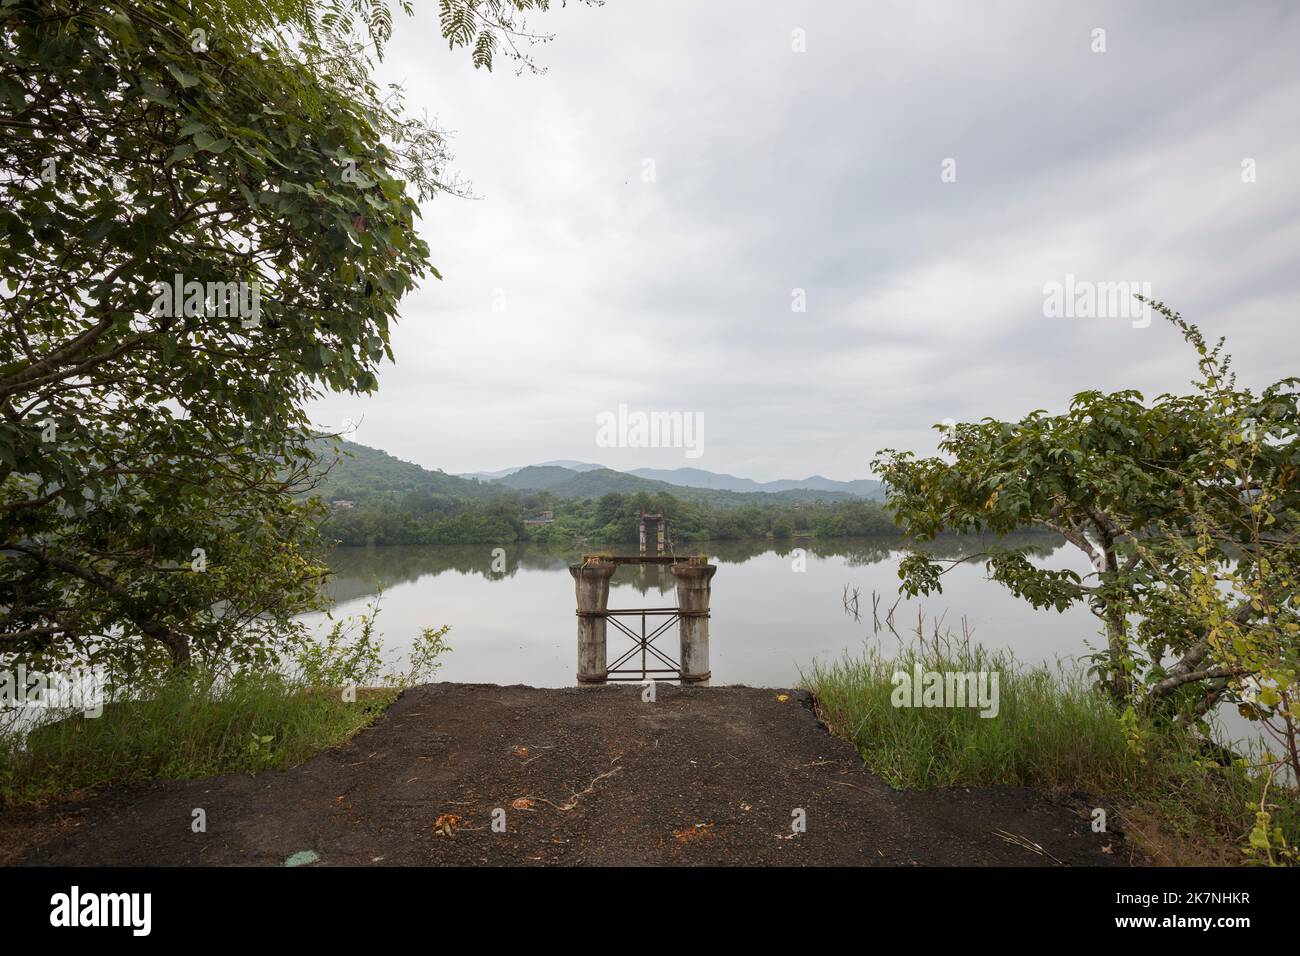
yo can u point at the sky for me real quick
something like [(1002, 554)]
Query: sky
[(819, 228)]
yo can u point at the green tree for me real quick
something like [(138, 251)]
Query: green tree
[(1185, 506), (486, 28), (151, 442)]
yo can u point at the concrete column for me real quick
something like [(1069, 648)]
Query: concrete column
[(591, 585), (693, 600)]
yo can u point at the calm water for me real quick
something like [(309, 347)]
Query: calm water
[(518, 626)]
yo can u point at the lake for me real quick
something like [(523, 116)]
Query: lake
[(517, 626)]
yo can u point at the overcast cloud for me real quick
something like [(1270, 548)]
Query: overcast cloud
[(776, 170)]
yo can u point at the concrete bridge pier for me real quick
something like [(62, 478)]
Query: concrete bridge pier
[(693, 601), (591, 584)]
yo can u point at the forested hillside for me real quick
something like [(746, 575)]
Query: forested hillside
[(565, 483), (699, 478), (381, 500), (359, 473)]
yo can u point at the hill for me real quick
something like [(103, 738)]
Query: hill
[(699, 478), (563, 483), (548, 474), (537, 478), (363, 474), (390, 501), (561, 463)]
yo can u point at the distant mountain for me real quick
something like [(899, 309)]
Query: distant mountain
[(545, 476), (538, 478), (488, 475), (564, 483), (699, 478), (572, 465), (365, 475), (562, 463)]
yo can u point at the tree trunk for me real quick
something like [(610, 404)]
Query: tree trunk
[(1118, 681)]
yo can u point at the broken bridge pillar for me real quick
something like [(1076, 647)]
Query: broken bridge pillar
[(591, 585), (693, 609)]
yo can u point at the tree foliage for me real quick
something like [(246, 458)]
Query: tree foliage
[(358, 28), (420, 516), (1186, 507), (151, 445)]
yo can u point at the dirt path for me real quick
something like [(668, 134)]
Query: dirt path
[(701, 776)]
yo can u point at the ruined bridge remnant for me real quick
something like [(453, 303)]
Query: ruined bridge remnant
[(654, 534), (641, 661)]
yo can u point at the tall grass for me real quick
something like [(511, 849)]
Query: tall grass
[(212, 721), (1178, 798), (1051, 730), (191, 725)]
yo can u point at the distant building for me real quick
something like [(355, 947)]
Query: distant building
[(546, 517), (342, 504)]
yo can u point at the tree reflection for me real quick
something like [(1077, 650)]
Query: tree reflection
[(360, 572)]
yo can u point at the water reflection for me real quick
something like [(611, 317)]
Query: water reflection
[(358, 572), (775, 607)]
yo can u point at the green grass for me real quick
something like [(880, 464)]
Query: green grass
[(183, 728), (193, 724), (1178, 802), (1051, 730)]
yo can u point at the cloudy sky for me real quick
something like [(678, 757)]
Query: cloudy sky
[(650, 205)]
